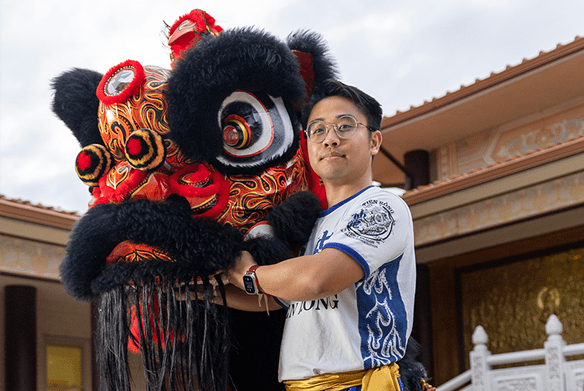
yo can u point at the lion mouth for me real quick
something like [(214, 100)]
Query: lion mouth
[(136, 252)]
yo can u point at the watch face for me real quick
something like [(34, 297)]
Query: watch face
[(249, 285)]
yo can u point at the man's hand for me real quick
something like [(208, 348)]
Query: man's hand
[(242, 265)]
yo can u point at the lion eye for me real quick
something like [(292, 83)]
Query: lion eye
[(255, 129), (237, 132), (120, 83)]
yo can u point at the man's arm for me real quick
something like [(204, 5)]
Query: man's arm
[(239, 300), (309, 277)]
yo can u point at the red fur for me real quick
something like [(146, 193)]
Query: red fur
[(131, 89), (182, 41), (134, 146), (83, 161), (217, 186)]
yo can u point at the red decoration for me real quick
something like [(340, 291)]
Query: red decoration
[(110, 94), (83, 161), (188, 30), (134, 146), (306, 71)]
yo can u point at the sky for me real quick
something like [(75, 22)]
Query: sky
[(401, 52)]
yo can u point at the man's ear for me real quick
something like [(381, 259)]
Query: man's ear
[(376, 139)]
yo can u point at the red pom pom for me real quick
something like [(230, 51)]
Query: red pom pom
[(134, 146), (83, 161)]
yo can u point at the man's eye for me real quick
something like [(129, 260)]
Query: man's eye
[(345, 128), (317, 130)]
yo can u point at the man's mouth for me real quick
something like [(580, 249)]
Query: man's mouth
[(331, 155)]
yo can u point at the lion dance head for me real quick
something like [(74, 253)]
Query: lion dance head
[(185, 166)]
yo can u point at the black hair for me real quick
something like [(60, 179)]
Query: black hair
[(331, 87)]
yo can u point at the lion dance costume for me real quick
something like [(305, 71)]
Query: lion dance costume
[(188, 167)]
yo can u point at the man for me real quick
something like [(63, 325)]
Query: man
[(350, 297)]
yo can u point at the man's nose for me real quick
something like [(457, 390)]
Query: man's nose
[(331, 138)]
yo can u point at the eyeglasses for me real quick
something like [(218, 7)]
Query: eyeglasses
[(344, 128)]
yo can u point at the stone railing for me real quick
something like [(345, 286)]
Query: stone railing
[(558, 373)]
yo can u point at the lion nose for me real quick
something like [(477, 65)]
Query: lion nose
[(205, 189)]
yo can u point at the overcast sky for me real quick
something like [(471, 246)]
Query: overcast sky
[(401, 52)]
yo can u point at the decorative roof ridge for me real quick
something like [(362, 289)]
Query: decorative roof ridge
[(495, 78), (21, 210), (19, 201), (494, 171)]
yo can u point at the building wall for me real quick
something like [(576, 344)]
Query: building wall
[(501, 231), (60, 320), (32, 245)]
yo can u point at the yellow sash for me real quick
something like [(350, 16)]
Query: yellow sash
[(381, 378)]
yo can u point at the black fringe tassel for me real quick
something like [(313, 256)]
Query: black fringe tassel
[(183, 340)]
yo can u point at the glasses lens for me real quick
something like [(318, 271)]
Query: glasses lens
[(316, 131), (346, 125)]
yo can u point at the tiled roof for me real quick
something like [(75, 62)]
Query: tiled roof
[(21, 210), (39, 206), (526, 65)]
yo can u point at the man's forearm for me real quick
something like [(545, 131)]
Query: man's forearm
[(239, 300), (303, 278)]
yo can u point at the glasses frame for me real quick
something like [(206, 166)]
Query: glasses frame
[(336, 128)]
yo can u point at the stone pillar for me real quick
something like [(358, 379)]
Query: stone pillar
[(554, 357), (478, 361), (417, 164), (20, 334)]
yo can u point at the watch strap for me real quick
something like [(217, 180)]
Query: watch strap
[(252, 269)]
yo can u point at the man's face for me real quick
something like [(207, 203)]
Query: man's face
[(342, 161)]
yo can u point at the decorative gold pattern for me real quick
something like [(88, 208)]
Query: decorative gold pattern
[(514, 301), (145, 110), (510, 140), (513, 206)]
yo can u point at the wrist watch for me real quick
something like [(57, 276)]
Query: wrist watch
[(250, 281)]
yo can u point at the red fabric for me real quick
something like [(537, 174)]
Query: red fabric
[(306, 71), (192, 26), (314, 183), (135, 326)]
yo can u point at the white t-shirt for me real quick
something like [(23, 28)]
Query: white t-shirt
[(368, 324)]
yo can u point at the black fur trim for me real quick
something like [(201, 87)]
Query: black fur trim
[(239, 59), (292, 222), (411, 371), (200, 247), (294, 218), (76, 104), (323, 65), (267, 251)]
